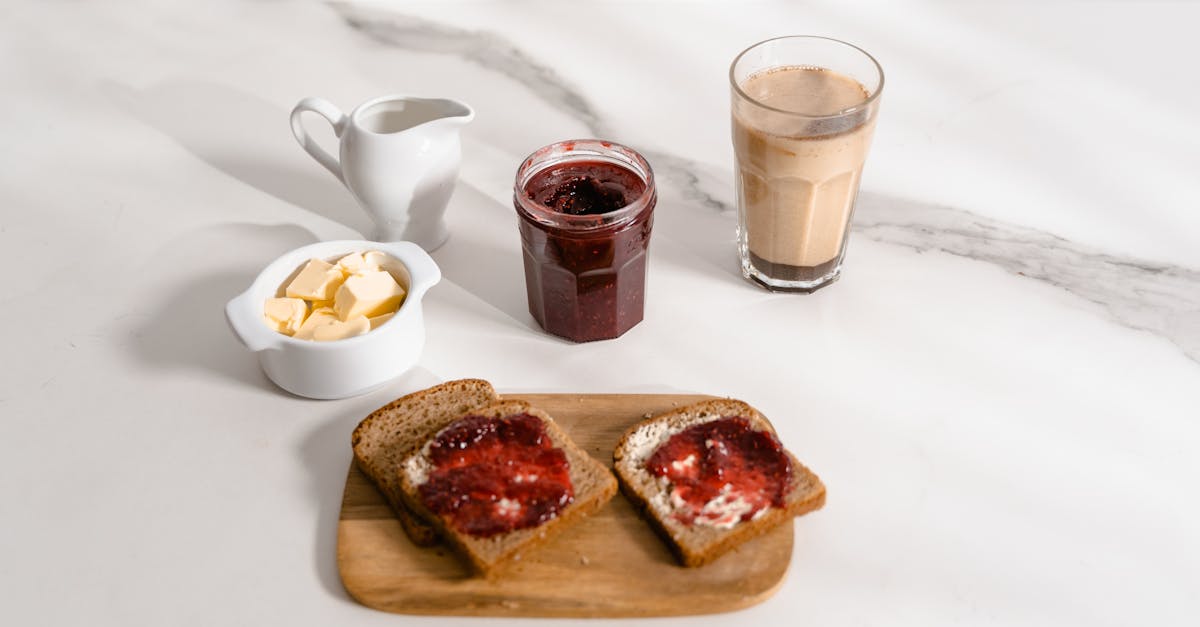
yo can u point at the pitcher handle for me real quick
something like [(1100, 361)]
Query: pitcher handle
[(334, 115)]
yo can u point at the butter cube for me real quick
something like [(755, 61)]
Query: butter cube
[(323, 325), (352, 264), (318, 317), (321, 304), (285, 315), (338, 330), (378, 260), (370, 294), (319, 280), (380, 319), (375, 259)]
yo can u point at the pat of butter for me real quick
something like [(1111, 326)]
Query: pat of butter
[(370, 294), (352, 264), (338, 330), (318, 317), (319, 280), (285, 315), (323, 325), (380, 319), (377, 260)]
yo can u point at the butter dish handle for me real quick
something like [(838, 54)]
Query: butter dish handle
[(245, 320), (423, 270)]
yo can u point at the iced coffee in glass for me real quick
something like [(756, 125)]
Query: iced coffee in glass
[(803, 114)]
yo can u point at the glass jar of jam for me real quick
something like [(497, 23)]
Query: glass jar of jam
[(586, 207)]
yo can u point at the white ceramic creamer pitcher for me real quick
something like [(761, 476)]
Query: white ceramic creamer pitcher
[(399, 156)]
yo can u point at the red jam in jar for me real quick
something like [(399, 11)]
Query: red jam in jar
[(494, 475), (586, 208), (722, 472)]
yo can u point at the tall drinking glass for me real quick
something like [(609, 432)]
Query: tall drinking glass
[(804, 111)]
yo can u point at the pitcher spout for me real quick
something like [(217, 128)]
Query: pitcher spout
[(405, 115), (457, 113)]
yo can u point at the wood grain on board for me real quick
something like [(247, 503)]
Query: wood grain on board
[(610, 564)]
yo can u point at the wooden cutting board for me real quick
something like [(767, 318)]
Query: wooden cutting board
[(611, 564)]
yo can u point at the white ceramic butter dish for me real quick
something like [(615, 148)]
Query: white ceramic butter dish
[(346, 367)]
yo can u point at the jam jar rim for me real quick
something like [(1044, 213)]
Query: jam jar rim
[(583, 150)]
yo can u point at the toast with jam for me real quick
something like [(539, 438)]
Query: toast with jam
[(501, 479), (383, 439), (712, 475)]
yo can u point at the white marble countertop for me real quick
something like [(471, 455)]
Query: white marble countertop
[(1002, 393)]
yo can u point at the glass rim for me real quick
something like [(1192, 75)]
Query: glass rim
[(843, 112), (577, 149)]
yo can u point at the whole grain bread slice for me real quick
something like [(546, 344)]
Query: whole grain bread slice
[(383, 439), (592, 482), (696, 545)]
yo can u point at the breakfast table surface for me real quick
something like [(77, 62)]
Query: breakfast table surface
[(1001, 393)]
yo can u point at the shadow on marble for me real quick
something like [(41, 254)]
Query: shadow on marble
[(245, 137), (491, 273), (325, 453), (687, 217), (187, 330)]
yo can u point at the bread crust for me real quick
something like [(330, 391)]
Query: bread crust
[(594, 486), (695, 546), (389, 433)]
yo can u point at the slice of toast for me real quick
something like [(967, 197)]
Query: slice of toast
[(697, 544), (386, 436), (592, 483)]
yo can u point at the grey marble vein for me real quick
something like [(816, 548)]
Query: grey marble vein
[(691, 178), (1158, 298), (495, 53), (483, 48)]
